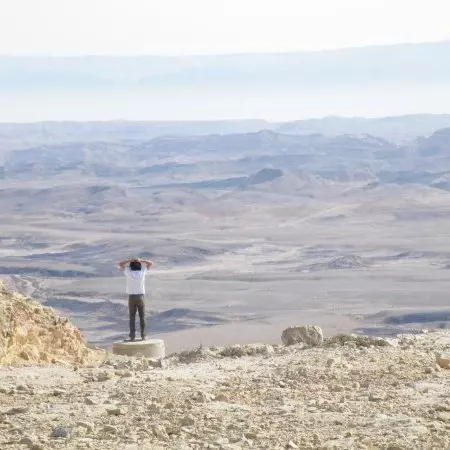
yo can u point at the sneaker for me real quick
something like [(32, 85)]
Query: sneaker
[(143, 337), (131, 339)]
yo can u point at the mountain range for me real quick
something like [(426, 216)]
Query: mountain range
[(402, 63)]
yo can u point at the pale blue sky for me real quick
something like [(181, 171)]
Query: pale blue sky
[(180, 27)]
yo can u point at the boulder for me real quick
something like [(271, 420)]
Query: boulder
[(443, 361), (310, 335)]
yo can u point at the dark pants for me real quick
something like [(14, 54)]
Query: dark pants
[(136, 303)]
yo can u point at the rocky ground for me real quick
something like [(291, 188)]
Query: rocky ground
[(350, 392), (344, 392)]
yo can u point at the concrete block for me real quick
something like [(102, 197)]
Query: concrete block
[(150, 348)]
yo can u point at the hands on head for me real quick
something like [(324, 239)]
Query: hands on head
[(147, 262)]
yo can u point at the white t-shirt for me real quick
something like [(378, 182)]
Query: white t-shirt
[(136, 280)]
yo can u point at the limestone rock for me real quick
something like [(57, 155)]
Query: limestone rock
[(17, 410), (110, 429), (61, 432), (188, 421), (311, 335), (114, 411), (443, 361), (34, 334), (123, 373), (159, 431), (31, 443), (90, 401), (89, 427), (376, 397), (105, 375)]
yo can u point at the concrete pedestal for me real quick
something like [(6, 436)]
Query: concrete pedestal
[(150, 348)]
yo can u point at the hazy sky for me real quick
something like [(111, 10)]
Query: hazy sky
[(175, 27)]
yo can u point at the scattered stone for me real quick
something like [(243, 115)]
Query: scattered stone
[(91, 401), (188, 421), (114, 411), (31, 443), (27, 441), (308, 334), (337, 388), (58, 392), (202, 397), (159, 431), (104, 376), (157, 363), (17, 410), (89, 427), (61, 432), (251, 435), (110, 429), (376, 397), (291, 444), (221, 398), (124, 373), (331, 362)]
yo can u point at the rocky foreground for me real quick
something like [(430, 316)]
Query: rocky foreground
[(344, 392), (351, 392)]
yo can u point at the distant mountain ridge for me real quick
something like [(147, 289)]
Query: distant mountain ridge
[(397, 129), (402, 63)]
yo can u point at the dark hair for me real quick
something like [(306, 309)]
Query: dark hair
[(135, 265)]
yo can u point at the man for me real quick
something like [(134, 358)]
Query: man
[(135, 271)]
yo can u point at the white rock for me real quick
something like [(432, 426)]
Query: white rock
[(17, 410), (114, 411), (87, 425), (159, 431), (309, 334), (58, 392), (331, 361), (104, 376), (188, 421), (28, 441), (443, 361), (124, 373), (375, 397), (61, 432)]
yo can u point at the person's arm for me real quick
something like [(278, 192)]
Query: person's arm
[(147, 263), (122, 264)]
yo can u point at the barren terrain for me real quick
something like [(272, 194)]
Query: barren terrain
[(249, 232)]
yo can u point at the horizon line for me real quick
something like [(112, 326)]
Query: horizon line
[(35, 122), (231, 54)]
